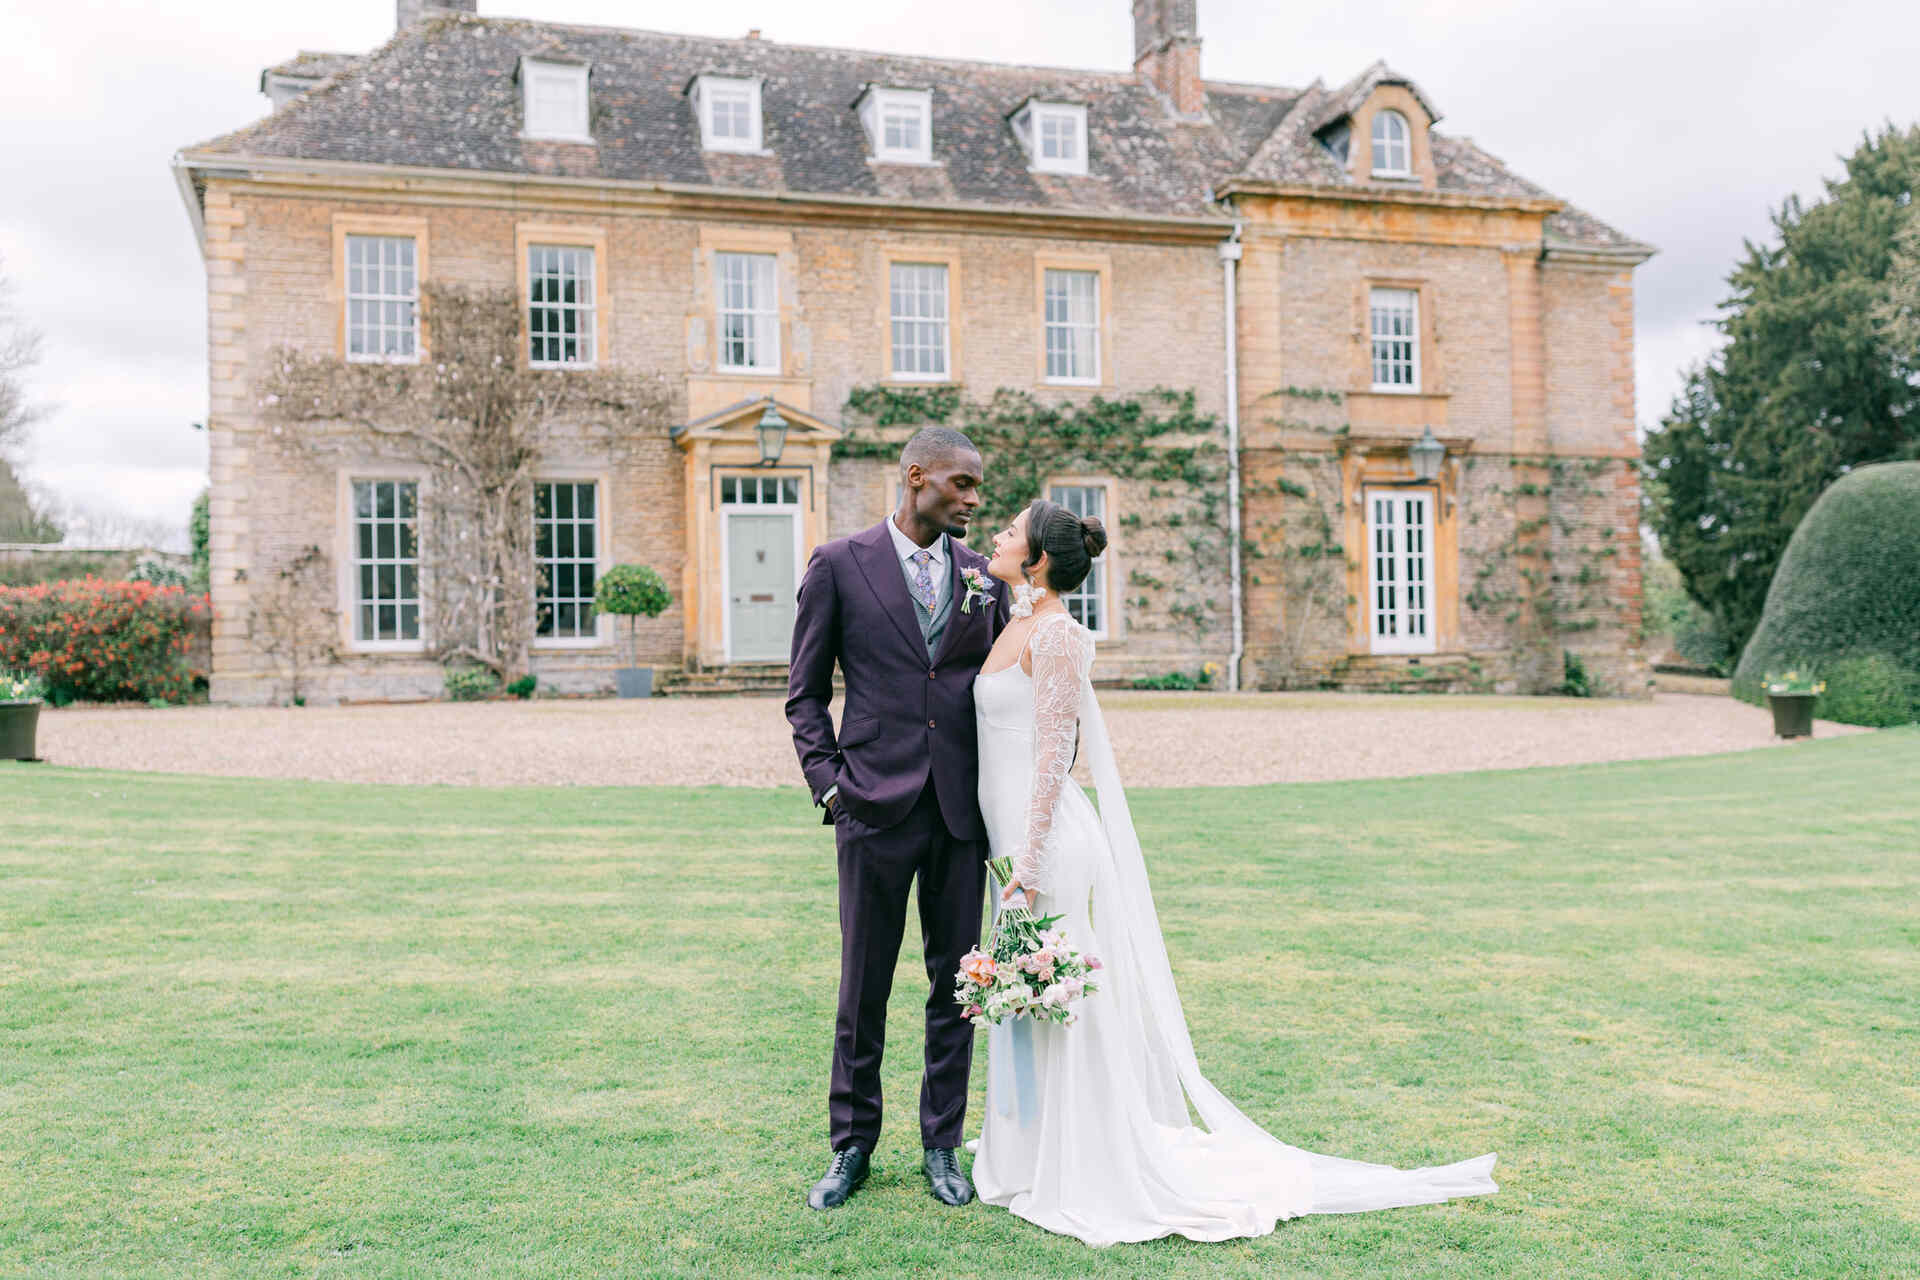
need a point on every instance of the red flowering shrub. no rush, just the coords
(102, 641)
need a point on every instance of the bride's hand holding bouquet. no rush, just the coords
(1026, 968)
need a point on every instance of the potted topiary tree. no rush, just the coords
(21, 695)
(632, 591)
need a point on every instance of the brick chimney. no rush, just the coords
(408, 12)
(1166, 52)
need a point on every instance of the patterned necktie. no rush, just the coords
(923, 577)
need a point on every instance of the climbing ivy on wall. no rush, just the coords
(1569, 583)
(1176, 539)
(1545, 588)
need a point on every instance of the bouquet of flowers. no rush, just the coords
(1026, 968)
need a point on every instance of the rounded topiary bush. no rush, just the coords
(1844, 605)
(632, 591)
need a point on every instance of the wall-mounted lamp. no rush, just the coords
(1427, 453)
(773, 435)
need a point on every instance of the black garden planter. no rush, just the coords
(19, 724)
(1792, 714)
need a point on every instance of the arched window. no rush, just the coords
(1392, 145)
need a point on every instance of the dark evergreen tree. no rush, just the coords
(1808, 387)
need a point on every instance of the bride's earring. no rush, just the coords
(1024, 595)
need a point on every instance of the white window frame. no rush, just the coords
(781, 482)
(1389, 311)
(382, 297)
(708, 92)
(1399, 601)
(563, 121)
(358, 562)
(924, 310)
(1384, 149)
(1098, 587)
(584, 307)
(762, 315)
(599, 633)
(1036, 121)
(877, 108)
(1067, 327)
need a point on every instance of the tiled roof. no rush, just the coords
(1346, 100)
(444, 93)
(1460, 165)
(309, 64)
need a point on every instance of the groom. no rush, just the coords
(893, 606)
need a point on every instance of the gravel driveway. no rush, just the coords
(1168, 739)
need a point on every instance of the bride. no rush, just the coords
(1088, 1131)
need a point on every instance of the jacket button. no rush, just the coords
(929, 724)
(931, 674)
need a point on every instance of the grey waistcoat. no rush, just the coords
(932, 625)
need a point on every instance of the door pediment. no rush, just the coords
(738, 423)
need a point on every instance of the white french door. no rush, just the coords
(1400, 570)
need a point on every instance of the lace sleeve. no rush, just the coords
(1062, 655)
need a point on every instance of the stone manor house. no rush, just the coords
(1414, 367)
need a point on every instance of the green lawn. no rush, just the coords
(290, 1029)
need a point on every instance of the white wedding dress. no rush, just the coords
(1087, 1131)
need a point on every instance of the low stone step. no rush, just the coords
(742, 678)
(750, 678)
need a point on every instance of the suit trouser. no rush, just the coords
(877, 866)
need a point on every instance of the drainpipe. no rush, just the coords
(1229, 259)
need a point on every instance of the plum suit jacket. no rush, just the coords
(907, 717)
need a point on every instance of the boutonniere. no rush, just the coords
(977, 588)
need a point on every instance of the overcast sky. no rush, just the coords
(1680, 121)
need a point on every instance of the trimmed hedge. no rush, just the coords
(103, 641)
(1844, 605)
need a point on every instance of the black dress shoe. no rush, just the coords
(950, 1186)
(844, 1176)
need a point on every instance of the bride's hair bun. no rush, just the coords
(1069, 542)
(1095, 535)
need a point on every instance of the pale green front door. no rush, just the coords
(760, 586)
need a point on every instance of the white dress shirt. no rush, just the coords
(905, 548)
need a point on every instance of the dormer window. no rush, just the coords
(899, 123)
(555, 99)
(729, 111)
(1392, 145)
(1055, 136)
(1337, 138)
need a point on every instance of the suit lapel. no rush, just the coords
(955, 594)
(873, 552)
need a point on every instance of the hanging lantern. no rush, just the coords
(773, 435)
(1427, 453)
